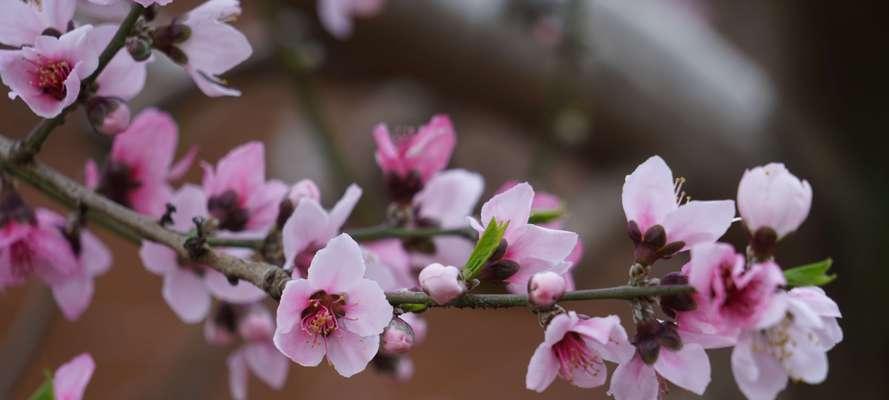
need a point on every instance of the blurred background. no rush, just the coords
(570, 95)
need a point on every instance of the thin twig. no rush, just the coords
(27, 148)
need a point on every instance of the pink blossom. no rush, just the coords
(214, 46)
(411, 160)
(684, 363)
(30, 244)
(389, 265)
(530, 248)
(140, 166)
(258, 354)
(545, 288)
(188, 286)
(239, 196)
(791, 341)
(123, 77)
(335, 312)
(22, 22)
(397, 338)
(574, 349)
(48, 76)
(441, 282)
(445, 202)
(658, 224)
(310, 227)
(70, 380)
(773, 203)
(337, 15)
(729, 296)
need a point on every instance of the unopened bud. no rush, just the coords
(545, 289)
(441, 282)
(139, 48)
(398, 337)
(108, 115)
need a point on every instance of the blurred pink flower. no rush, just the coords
(22, 22)
(48, 76)
(688, 367)
(123, 77)
(70, 380)
(140, 166)
(791, 341)
(658, 224)
(730, 298)
(389, 265)
(575, 348)
(258, 354)
(411, 160)
(310, 227)
(336, 15)
(335, 312)
(187, 286)
(530, 248)
(441, 282)
(445, 202)
(214, 46)
(238, 194)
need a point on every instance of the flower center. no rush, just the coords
(320, 317)
(21, 265)
(739, 302)
(227, 209)
(574, 354)
(50, 78)
(118, 181)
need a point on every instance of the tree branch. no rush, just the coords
(362, 235)
(25, 149)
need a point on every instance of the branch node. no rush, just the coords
(196, 245)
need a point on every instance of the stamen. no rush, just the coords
(50, 78)
(681, 196)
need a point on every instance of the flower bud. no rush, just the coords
(418, 325)
(397, 338)
(545, 289)
(770, 197)
(139, 48)
(108, 115)
(441, 282)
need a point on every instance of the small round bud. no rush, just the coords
(545, 289)
(442, 283)
(108, 115)
(139, 48)
(397, 338)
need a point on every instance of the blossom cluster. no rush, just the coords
(335, 304)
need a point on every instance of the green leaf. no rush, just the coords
(486, 246)
(45, 391)
(545, 216)
(814, 274)
(413, 307)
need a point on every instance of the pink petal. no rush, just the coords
(294, 300)
(158, 258)
(148, 145)
(181, 167)
(350, 353)
(190, 201)
(302, 348)
(237, 375)
(242, 293)
(387, 155)
(589, 376)
(58, 13)
(94, 255)
(19, 23)
(211, 85)
(335, 17)
(432, 146)
(338, 267)
(306, 226)
(542, 369)
(817, 300)
(633, 380)
(559, 326)
(598, 329)
(383, 275)
(123, 77)
(263, 205)
(705, 260)
(532, 241)
(450, 196)
(513, 206)
(770, 196)
(758, 374)
(70, 380)
(699, 222)
(186, 294)
(241, 170)
(91, 174)
(215, 47)
(343, 208)
(648, 194)
(688, 368)
(367, 310)
(74, 295)
(267, 363)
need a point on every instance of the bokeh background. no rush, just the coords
(570, 95)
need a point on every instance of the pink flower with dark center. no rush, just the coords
(658, 223)
(529, 248)
(22, 22)
(336, 312)
(70, 380)
(575, 348)
(239, 196)
(336, 15)
(411, 160)
(791, 341)
(310, 227)
(140, 166)
(773, 203)
(188, 286)
(47, 76)
(729, 296)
